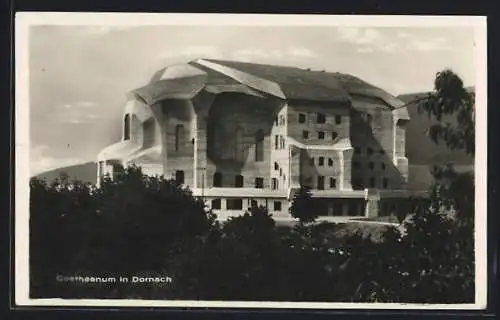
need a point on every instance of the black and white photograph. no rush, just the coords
(250, 161)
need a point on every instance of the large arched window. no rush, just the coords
(126, 127)
(259, 146)
(239, 145)
(179, 131)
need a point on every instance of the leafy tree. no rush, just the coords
(302, 207)
(451, 99)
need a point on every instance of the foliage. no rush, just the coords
(302, 207)
(450, 98)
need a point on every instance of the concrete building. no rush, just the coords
(242, 133)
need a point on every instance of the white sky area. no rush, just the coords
(79, 76)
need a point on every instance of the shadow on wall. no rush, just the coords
(370, 161)
(238, 131)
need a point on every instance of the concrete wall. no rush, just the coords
(372, 136)
(280, 154)
(178, 119)
(311, 110)
(310, 171)
(332, 130)
(228, 113)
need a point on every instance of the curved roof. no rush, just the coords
(289, 83)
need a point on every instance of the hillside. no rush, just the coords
(86, 172)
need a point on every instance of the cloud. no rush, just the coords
(302, 52)
(250, 54)
(368, 40)
(41, 161)
(430, 45)
(98, 31)
(78, 112)
(359, 35)
(404, 35)
(195, 51)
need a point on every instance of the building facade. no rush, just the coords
(240, 134)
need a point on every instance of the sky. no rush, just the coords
(79, 75)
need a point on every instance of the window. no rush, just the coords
(357, 184)
(252, 203)
(383, 166)
(284, 178)
(338, 119)
(305, 134)
(259, 146)
(276, 120)
(178, 136)
(259, 183)
(216, 204)
(274, 184)
(282, 142)
(369, 151)
(282, 120)
(381, 151)
(321, 135)
(321, 183)
(276, 142)
(276, 166)
(281, 172)
(217, 179)
(355, 164)
(321, 118)
(239, 147)
(179, 177)
(369, 119)
(311, 161)
(238, 181)
(100, 169)
(321, 161)
(277, 205)
(385, 183)
(357, 150)
(234, 204)
(333, 183)
(334, 135)
(371, 165)
(372, 182)
(330, 162)
(302, 118)
(126, 127)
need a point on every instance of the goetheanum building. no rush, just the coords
(242, 133)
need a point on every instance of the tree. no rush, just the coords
(451, 98)
(440, 232)
(129, 225)
(302, 207)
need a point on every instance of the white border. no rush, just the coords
(24, 20)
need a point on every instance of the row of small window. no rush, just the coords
(369, 151)
(280, 121)
(321, 161)
(279, 142)
(320, 118)
(237, 204)
(238, 181)
(372, 183)
(371, 165)
(321, 135)
(320, 185)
